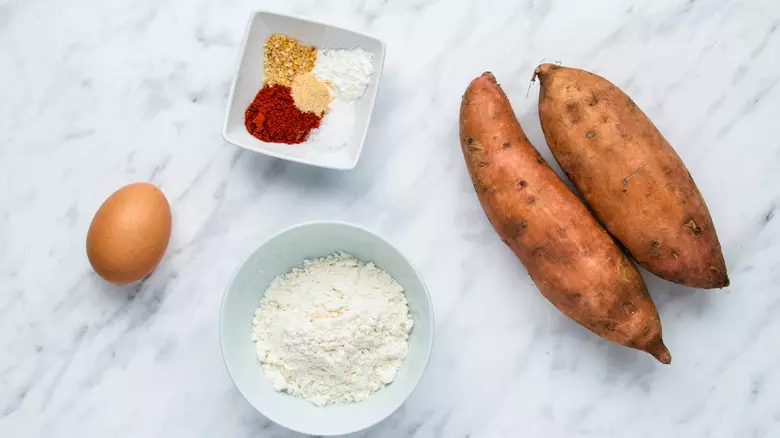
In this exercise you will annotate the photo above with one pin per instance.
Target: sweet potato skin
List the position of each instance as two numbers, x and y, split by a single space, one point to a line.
630 176
572 260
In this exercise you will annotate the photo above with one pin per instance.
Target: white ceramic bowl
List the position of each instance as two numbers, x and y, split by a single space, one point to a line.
248 81
277 256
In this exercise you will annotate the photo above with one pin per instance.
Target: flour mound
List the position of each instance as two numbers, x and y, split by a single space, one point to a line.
333 330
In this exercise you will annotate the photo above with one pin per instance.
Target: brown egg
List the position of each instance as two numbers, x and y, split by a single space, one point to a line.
129 233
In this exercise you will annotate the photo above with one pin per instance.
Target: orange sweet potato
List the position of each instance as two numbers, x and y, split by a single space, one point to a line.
630 176
572 260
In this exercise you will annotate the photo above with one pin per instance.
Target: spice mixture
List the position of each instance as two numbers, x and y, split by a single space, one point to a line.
304 86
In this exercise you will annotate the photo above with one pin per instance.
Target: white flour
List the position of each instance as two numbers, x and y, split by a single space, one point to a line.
349 71
333 330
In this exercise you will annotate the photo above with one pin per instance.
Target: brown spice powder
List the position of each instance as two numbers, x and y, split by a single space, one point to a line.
285 58
310 94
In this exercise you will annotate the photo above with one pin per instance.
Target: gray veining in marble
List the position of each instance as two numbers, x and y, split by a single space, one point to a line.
98 94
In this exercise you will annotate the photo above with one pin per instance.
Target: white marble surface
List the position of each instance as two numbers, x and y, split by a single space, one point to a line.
98 94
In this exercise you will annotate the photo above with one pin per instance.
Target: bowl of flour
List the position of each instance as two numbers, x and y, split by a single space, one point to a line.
326 328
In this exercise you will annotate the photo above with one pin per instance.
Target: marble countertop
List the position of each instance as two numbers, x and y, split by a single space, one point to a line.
99 94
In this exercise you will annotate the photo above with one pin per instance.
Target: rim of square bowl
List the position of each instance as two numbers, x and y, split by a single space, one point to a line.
428 349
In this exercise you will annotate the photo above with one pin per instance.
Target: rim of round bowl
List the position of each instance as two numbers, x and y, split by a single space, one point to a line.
427 348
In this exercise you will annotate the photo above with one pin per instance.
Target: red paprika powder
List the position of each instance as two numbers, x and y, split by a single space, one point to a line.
273 117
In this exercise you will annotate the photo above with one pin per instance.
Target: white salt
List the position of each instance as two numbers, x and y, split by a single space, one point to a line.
336 127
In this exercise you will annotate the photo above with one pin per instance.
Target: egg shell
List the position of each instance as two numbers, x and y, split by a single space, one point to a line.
129 233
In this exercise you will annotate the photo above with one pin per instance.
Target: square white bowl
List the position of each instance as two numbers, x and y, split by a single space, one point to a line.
248 81
277 256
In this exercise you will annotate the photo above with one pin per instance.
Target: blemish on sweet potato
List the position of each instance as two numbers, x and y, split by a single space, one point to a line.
531 200
507 145
515 227
693 228
590 134
631 105
621 130
633 174
522 184
595 98
553 255
602 324
625 271
573 112
575 297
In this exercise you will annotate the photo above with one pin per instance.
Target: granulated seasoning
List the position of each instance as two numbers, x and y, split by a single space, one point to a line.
310 94
273 117
285 58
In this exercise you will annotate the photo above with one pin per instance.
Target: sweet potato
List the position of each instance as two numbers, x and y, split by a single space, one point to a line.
630 176
573 261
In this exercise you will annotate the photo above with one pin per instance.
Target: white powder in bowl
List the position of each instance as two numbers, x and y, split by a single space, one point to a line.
349 71
335 128
332 330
